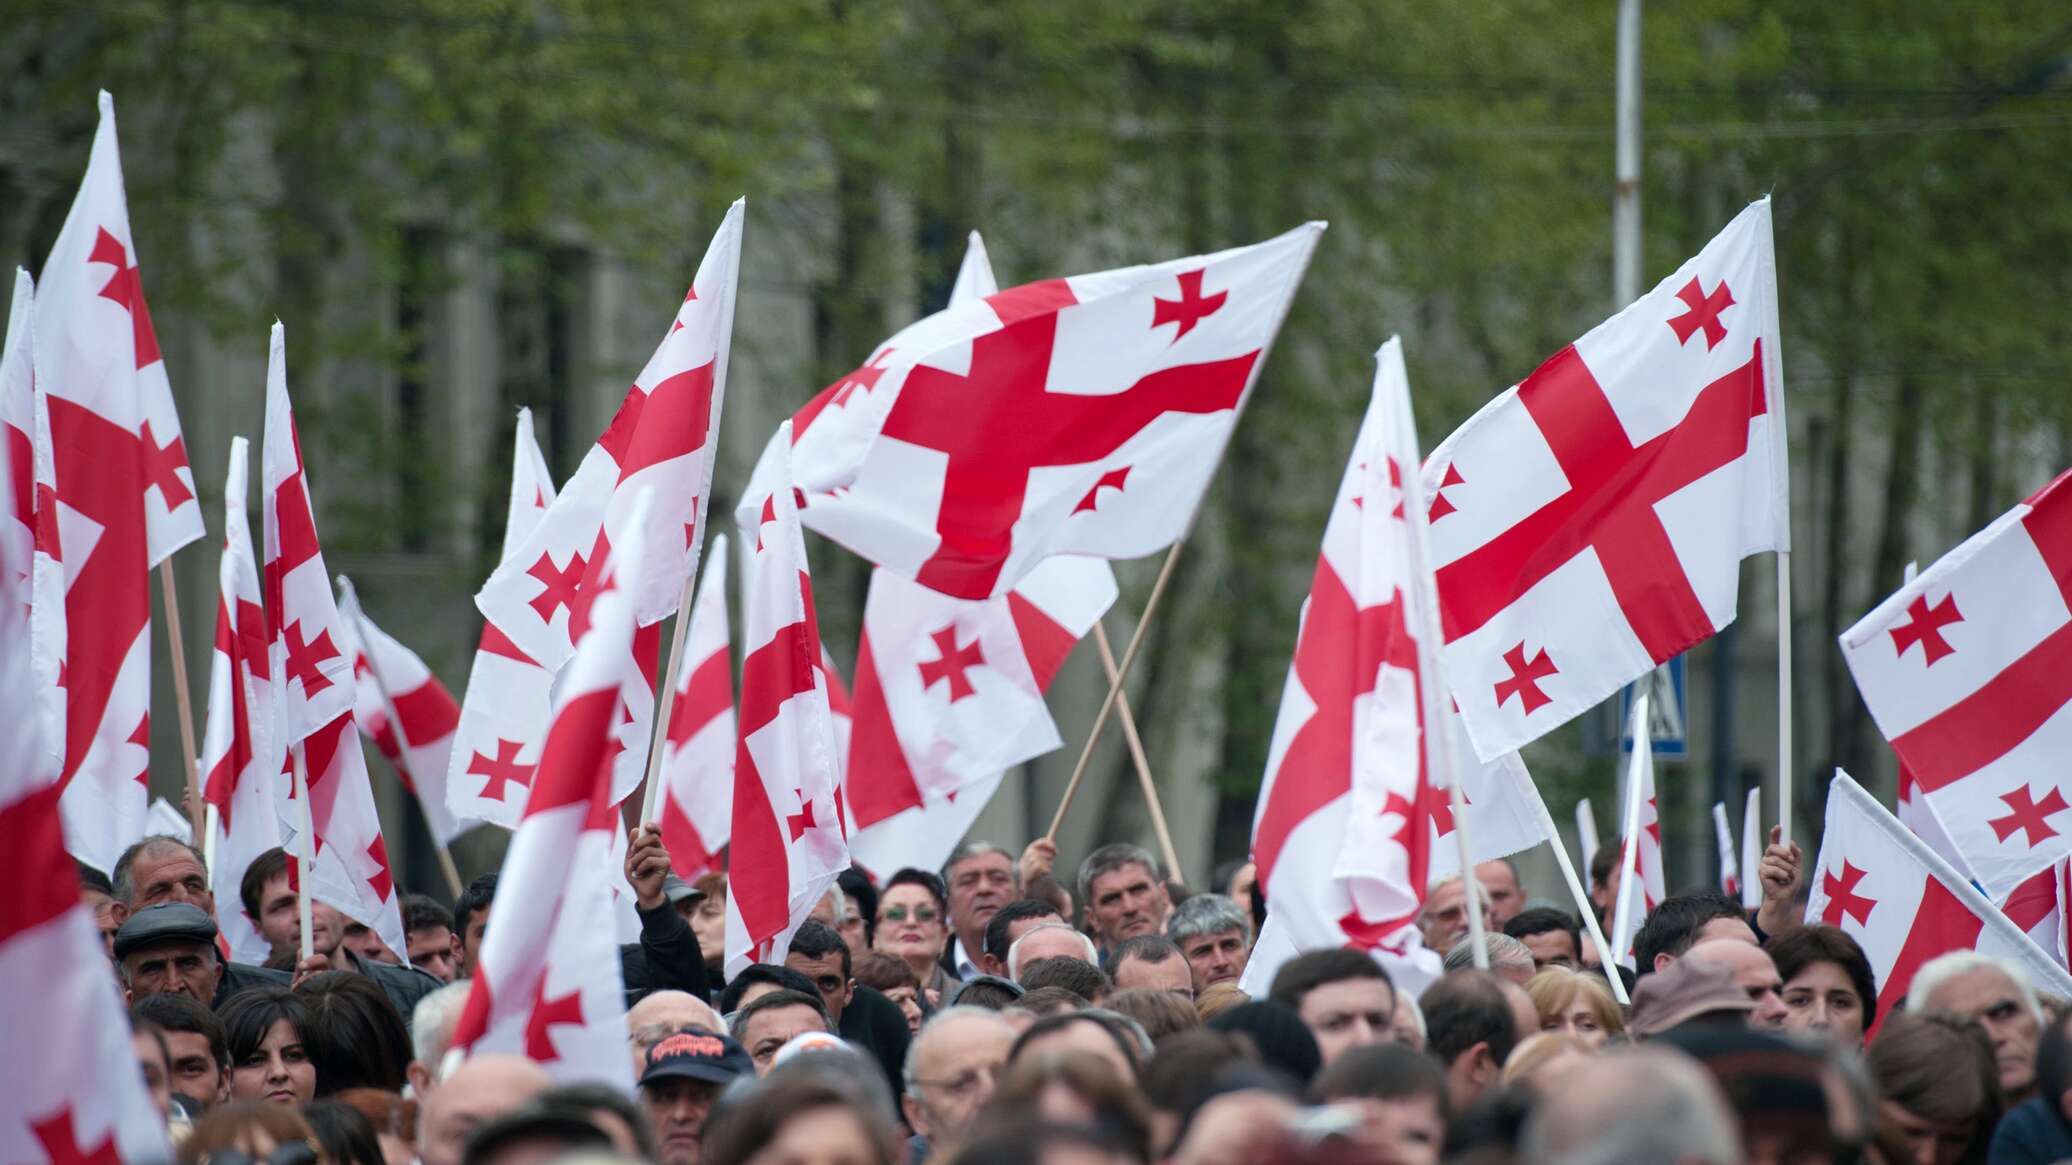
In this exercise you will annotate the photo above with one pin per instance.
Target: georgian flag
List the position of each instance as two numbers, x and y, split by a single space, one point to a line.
1723 836
390 676
698 751
921 837
1642 885
17 446
1752 851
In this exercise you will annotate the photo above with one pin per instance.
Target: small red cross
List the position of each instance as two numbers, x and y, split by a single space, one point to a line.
1704 313
769 514
2028 815
501 770
1924 626
546 1013
162 466
1654 826
1399 806
60 1141
1440 505
381 881
127 289
1842 898
951 663
1525 677
303 658
1396 486
591 589
1190 309
1442 808
861 379
142 739
798 823
1113 479
559 581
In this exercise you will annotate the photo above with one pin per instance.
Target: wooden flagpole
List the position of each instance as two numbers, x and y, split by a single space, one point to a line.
1137 758
665 702
183 701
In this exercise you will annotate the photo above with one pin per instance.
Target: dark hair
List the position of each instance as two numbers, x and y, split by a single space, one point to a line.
1605 860
569 1130
2054 1062
1110 1096
1033 1143
1145 948
1048 1024
1381 1072
1940 1067
221 1129
473 900
421 912
774 1001
1036 1000
1546 920
987 991
582 1100
252 887
1672 926
882 972
1078 976
251 1013
857 884
1019 910
389 1113
1465 1008
178 1013
817 940
783 978
1181 1076
1285 1043
1308 971
93 879
740 1129
1796 948
345 1133
927 880
1160 1012
356 1037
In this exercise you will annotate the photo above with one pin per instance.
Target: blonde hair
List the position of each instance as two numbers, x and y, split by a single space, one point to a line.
1538 1050
1217 998
1555 989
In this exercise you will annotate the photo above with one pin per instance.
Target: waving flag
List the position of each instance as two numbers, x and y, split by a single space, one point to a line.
17 435
1590 523
1641 885
698 754
1752 850
389 676
1729 869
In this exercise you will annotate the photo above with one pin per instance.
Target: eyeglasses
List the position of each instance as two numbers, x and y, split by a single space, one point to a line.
899 914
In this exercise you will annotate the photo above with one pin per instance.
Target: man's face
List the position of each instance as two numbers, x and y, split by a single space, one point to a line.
775 1027
1125 903
1553 948
677 1107
1216 958
1506 899
151 1058
471 1099
362 941
108 916
182 968
326 928
979 887
1445 918
194 1071
168 873
1755 973
471 941
1350 1013
954 1069
853 931
431 951
1990 997
278 923
829 978
1172 975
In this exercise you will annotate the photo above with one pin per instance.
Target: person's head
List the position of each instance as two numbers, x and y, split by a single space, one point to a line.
1444 918
1681 921
1009 923
661 1014
1499 880
1471 1026
1074 1088
428 929
1401 1098
479 1091
344 1132
252 1128
360 939
266 1028
532 1133
1508 957
197 1050
1553 936
1576 1003
1938 1088
680 1077
1217 998
1543 1057
1829 987
709 918
1633 1105
1793 1102
431 1033
98 893
394 1119
1047 940
1284 1041
1408 1022
981 880
1996 993
1105 1034
470 917
1753 972
1150 960
162 869
1123 893
1042 1001
988 991
2054 1068
1343 995
269 901
913 918
759 979
772 1019
950 1071
620 1117
1078 976
356 1037
169 947
1214 936
1158 1011
147 1044
896 981
1688 991
832 910
813 1118
862 898
819 953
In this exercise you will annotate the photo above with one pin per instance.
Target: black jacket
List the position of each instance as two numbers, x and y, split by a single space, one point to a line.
403 985
666 958
877 1025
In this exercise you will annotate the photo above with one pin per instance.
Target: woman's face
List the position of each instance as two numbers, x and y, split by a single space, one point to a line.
1405 1130
1576 1018
710 925
828 1135
910 925
278 1070
908 1006
1820 999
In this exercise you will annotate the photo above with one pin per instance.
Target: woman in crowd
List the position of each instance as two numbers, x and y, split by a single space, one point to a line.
1399 1097
709 923
1072 1088
394 1120
892 978
914 925
1938 1089
1542 1057
1578 1003
344 1134
810 1118
1829 989
356 1037
267 1029
262 1132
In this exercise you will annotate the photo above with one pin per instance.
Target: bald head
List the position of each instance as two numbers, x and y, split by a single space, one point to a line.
480 1090
1640 1104
662 1014
1754 972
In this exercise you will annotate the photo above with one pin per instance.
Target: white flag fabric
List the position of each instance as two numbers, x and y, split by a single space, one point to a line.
548 985
1586 832
241 757
510 697
1729 864
697 809
1589 523
2038 906
1968 672
1752 850
1641 885
1903 904
17 434
423 750
1505 812
787 842
922 837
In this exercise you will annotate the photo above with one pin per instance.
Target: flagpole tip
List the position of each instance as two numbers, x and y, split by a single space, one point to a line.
106 102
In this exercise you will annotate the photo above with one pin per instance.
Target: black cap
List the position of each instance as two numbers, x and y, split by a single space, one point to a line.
168 922
679 891
696 1054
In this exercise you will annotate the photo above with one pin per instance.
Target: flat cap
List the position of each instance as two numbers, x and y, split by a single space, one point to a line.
1683 991
168 922
679 891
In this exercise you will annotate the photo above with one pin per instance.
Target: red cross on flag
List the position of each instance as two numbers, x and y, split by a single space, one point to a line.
241 758
787 840
1071 416
1903 904
662 438
343 858
17 436
1505 812
1589 523
698 751
548 985
1968 672
122 500
426 710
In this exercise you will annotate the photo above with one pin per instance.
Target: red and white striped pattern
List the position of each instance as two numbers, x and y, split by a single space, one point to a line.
698 752
423 751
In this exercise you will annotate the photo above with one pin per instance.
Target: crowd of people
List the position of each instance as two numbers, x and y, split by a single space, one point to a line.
996 1013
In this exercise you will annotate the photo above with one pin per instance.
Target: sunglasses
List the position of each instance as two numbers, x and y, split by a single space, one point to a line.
899 914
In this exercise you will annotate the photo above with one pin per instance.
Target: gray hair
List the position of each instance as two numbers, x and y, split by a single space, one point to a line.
1107 860
1408 1003
1639 1106
119 877
1480 891
1940 970
941 1019
1206 914
432 1022
1014 953
1504 951
838 904
978 849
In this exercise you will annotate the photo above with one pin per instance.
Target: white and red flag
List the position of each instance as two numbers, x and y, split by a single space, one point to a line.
1903 904
787 843
921 837
241 758
2038 906
1968 672
1729 864
1070 416
1641 884
504 714
388 675
548 985
838 704
122 500
1589 523
1752 850
17 434
1504 810
697 810
342 857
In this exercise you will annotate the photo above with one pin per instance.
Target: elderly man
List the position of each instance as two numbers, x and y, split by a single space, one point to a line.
1754 972
1214 936
680 1077
1509 959
949 1076
431 1034
171 948
1048 941
1996 993
661 1014
981 879
1123 894
1634 1105
479 1091
1444 920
